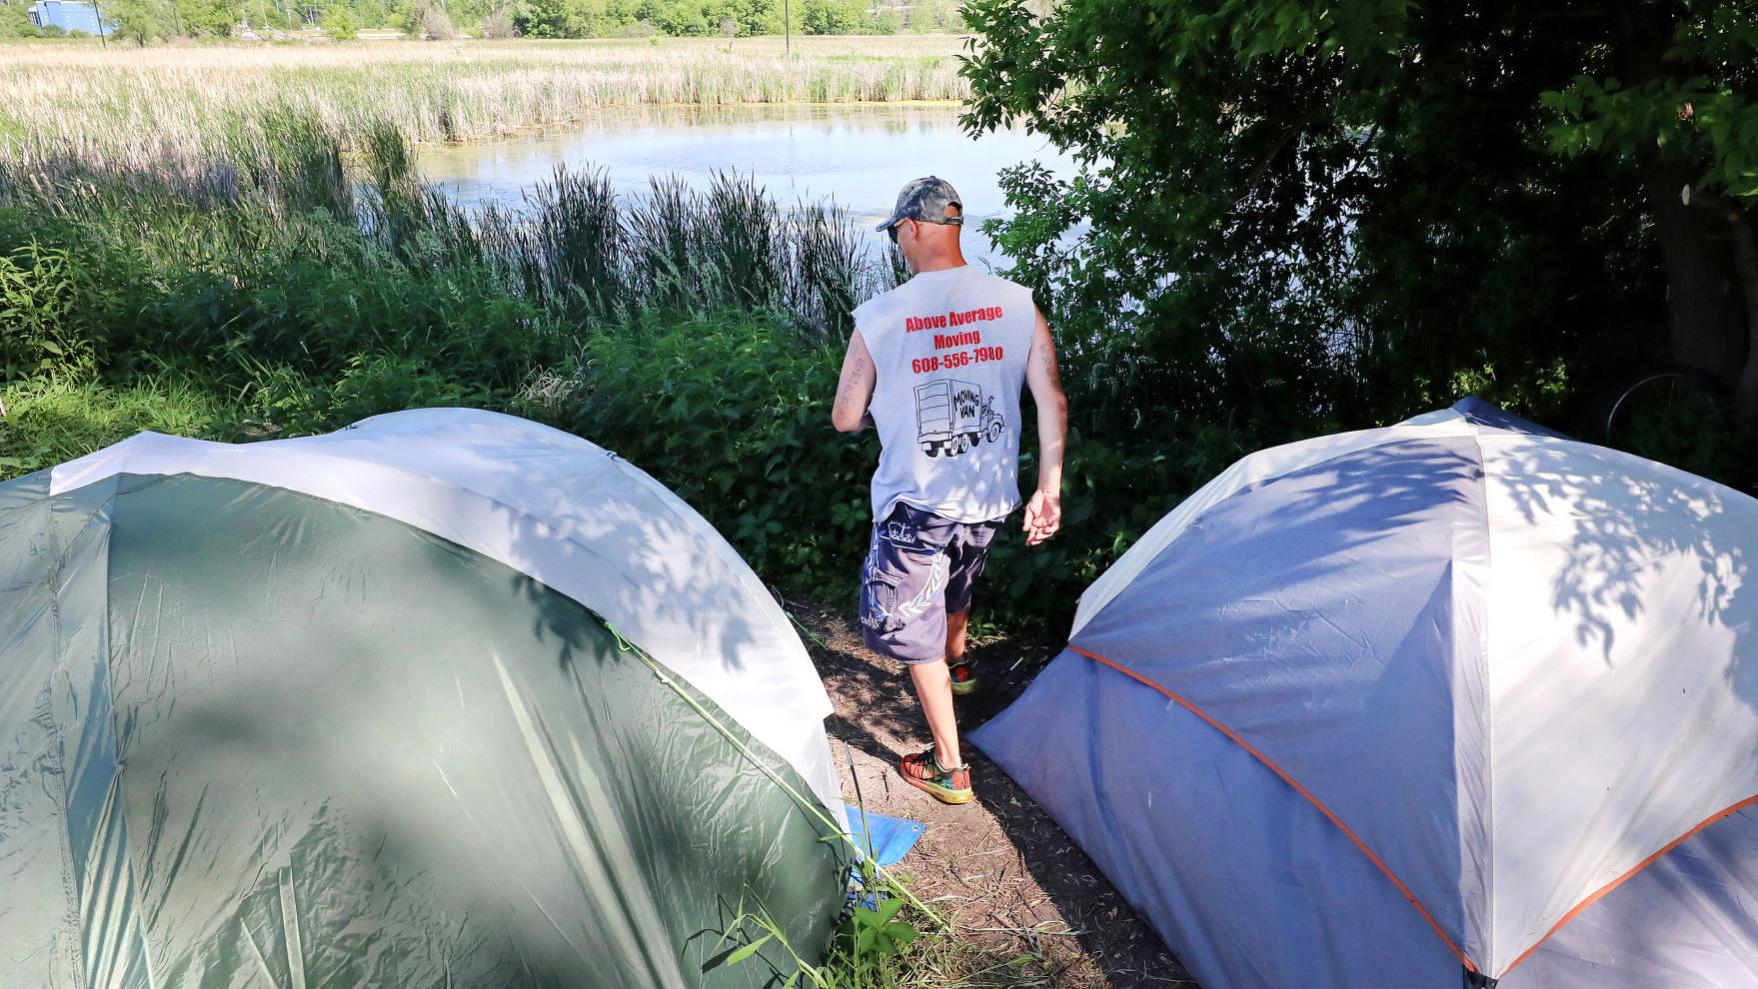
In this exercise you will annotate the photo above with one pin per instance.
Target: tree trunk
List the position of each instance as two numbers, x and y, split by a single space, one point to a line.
1712 303
1745 244
1706 307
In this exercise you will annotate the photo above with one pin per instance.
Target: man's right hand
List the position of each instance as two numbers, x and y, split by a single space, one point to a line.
1043 516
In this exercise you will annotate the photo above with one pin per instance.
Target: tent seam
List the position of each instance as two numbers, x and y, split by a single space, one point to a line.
1482 657
115 809
121 809
1336 454
665 675
1329 814
1608 888
53 577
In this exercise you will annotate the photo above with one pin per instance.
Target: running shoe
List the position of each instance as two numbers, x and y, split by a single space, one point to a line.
964 680
923 771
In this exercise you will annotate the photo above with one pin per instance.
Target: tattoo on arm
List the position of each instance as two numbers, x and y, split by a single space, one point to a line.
854 390
1047 354
1044 351
847 391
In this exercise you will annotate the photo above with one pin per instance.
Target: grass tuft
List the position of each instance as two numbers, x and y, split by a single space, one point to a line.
49 421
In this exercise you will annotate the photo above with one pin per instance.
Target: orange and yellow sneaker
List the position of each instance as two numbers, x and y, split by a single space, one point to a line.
964 680
949 786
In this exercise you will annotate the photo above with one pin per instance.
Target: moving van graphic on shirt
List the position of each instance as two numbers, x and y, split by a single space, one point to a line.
953 416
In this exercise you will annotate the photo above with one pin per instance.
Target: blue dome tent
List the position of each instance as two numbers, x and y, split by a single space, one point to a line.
1454 702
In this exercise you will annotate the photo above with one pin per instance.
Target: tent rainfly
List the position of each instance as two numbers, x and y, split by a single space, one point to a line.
1453 702
446 698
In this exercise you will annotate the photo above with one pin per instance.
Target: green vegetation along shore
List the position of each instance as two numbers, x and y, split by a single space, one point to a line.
147 21
167 103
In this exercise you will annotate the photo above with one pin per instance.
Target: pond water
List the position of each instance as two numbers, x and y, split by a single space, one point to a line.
857 156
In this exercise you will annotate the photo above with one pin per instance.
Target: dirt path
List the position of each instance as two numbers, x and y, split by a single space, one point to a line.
1012 882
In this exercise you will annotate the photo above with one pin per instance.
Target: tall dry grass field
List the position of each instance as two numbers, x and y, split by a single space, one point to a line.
98 102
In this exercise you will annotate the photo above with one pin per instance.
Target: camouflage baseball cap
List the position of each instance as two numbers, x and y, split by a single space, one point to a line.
926 200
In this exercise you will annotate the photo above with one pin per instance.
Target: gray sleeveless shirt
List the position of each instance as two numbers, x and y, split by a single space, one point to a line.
949 348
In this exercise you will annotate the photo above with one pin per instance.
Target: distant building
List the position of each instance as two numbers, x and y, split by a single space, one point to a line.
68 15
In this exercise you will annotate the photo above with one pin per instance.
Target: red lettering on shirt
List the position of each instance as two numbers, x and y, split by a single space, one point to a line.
912 324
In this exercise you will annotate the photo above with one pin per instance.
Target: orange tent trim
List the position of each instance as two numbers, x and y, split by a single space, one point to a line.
1600 893
1303 791
1330 815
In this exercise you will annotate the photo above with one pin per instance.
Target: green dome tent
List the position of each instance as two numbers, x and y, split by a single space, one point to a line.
446 698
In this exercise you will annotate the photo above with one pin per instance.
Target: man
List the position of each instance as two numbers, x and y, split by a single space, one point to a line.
936 366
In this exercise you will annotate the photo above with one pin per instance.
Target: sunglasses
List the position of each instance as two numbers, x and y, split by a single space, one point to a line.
892 230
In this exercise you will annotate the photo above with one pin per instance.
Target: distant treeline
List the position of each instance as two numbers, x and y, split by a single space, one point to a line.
148 20
600 18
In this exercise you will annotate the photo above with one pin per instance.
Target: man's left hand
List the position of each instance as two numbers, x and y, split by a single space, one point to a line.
1043 516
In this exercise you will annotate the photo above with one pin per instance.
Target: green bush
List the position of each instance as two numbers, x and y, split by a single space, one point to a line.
135 21
207 18
36 297
52 420
928 16
15 23
832 16
285 400
645 18
559 19
340 24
